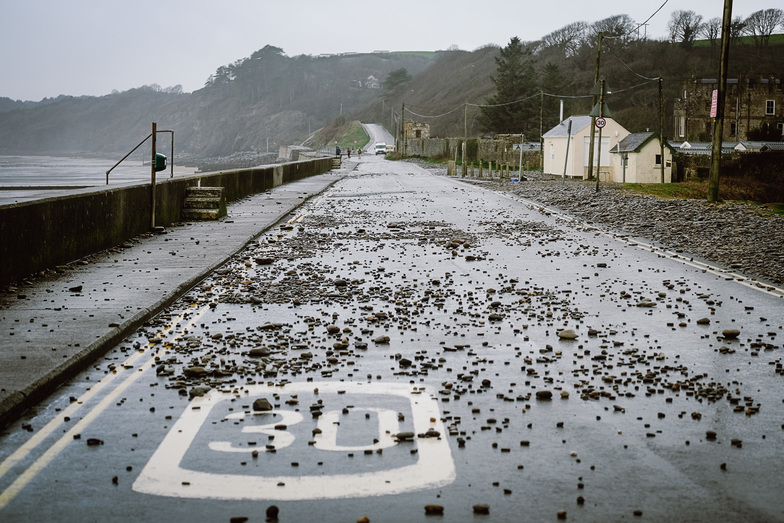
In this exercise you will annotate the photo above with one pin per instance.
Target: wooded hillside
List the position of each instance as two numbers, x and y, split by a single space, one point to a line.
271 98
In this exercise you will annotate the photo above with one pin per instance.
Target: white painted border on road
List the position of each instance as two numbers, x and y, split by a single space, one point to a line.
164 475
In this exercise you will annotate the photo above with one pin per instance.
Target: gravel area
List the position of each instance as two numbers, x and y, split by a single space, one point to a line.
736 235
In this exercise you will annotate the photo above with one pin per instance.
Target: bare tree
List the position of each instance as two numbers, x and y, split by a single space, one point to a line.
761 24
684 26
711 31
737 29
618 26
567 39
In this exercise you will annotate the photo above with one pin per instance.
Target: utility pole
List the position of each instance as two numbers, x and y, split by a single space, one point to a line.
465 138
593 102
661 127
601 115
718 133
541 125
403 129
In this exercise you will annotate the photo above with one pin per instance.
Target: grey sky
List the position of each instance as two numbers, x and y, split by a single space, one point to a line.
91 47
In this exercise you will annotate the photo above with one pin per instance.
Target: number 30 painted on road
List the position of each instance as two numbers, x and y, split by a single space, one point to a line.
164 474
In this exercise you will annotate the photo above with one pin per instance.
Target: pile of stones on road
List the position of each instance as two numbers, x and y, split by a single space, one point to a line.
737 235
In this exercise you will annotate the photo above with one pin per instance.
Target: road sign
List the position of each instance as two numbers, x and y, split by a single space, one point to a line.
601 122
714 103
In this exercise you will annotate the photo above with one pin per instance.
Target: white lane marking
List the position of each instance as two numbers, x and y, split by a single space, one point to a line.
771 290
164 474
39 464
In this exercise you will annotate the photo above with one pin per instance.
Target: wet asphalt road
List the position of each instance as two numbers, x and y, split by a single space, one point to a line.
407 340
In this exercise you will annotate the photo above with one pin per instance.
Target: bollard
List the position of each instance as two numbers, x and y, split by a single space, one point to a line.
480 168
450 168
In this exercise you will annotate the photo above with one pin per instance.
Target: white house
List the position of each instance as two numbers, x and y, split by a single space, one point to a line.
638 159
576 163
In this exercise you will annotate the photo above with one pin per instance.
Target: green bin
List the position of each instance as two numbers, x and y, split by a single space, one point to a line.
160 162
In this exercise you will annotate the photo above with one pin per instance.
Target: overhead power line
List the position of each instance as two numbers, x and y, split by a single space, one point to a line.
641 24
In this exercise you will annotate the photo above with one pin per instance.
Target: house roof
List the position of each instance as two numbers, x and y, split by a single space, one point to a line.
562 129
635 142
772 146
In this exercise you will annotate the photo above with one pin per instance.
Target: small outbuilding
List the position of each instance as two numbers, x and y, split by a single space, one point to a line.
638 159
578 139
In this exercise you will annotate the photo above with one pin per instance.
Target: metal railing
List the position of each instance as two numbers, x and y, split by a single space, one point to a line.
171 161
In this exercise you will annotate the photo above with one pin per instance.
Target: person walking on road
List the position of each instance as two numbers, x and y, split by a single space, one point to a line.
348 151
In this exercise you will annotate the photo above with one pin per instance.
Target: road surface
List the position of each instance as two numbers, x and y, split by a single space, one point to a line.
407 343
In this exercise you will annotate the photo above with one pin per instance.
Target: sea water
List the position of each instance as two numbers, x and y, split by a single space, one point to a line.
23 178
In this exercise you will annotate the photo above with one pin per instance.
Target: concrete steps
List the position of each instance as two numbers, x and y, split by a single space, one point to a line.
204 203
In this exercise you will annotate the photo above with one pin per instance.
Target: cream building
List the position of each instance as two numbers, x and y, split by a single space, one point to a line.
555 150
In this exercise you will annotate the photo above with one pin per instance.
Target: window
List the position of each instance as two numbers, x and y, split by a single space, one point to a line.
658 159
733 128
682 126
780 127
770 107
684 94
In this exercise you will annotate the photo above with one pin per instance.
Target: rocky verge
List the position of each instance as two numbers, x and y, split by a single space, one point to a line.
739 236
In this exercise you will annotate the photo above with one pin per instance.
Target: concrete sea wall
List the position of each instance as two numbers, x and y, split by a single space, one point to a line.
41 234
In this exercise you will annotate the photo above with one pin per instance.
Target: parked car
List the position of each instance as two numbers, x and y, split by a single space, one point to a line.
390 148
380 148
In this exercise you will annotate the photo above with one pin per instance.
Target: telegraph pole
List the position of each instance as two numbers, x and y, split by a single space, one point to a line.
593 102
403 129
661 127
718 133
465 138
601 115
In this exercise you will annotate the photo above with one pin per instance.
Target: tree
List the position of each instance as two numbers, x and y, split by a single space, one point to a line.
684 26
760 25
737 29
567 39
553 82
396 78
513 108
619 26
711 31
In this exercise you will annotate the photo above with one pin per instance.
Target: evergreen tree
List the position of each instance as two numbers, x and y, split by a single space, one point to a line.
396 78
554 82
514 107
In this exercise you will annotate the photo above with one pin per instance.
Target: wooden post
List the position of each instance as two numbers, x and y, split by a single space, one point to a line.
661 132
593 102
718 133
152 176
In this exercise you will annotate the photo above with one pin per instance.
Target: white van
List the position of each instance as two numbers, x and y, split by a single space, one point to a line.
380 148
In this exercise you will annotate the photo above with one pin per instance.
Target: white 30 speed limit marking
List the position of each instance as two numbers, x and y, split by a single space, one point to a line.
165 474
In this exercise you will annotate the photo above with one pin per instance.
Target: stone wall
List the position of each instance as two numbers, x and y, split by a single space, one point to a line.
499 150
44 233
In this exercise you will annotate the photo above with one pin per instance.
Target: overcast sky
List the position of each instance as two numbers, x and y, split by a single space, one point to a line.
92 47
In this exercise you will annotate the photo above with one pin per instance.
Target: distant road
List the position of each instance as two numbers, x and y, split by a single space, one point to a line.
377 135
